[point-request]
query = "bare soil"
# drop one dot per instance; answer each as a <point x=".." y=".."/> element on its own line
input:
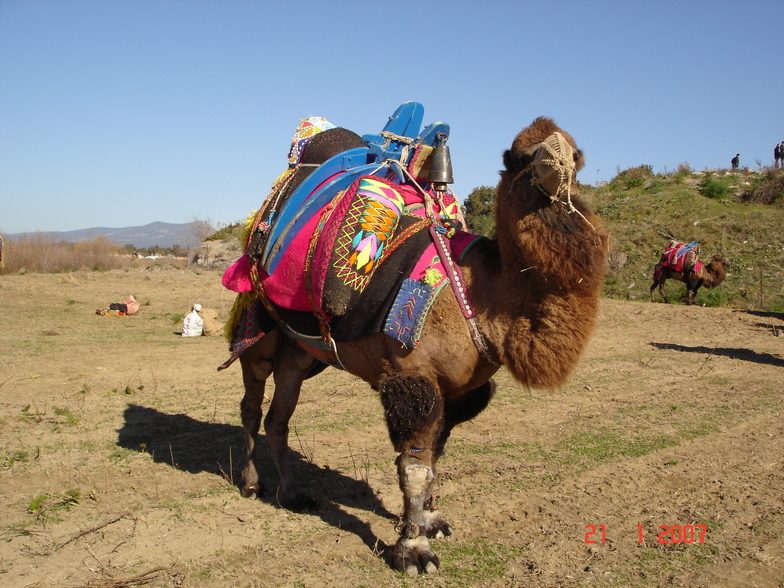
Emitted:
<point x="120" y="450"/>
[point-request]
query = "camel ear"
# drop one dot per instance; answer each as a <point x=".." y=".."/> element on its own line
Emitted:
<point x="579" y="160"/>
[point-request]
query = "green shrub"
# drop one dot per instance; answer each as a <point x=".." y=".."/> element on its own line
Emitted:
<point x="235" y="230"/>
<point x="633" y="177"/>
<point x="711" y="187"/>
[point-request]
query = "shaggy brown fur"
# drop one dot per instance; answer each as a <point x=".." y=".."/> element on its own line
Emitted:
<point x="411" y="406"/>
<point x="535" y="290"/>
<point x="710" y="275"/>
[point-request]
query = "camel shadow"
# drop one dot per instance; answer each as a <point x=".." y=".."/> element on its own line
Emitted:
<point x="195" y="446"/>
<point x="763" y="313"/>
<point x="769" y="325"/>
<point x="733" y="353"/>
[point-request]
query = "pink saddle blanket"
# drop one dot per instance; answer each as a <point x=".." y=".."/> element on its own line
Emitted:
<point x="342" y="247"/>
<point x="681" y="257"/>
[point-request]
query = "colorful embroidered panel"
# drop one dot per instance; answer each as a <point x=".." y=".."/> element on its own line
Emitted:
<point x="369" y="225"/>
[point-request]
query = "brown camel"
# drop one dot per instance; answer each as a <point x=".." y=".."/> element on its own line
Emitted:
<point x="709" y="275"/>
<point x="535" y="289"/>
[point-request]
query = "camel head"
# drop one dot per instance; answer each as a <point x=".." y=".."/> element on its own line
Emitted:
<point x="540" y="220"/>
<point x="546" y="158"/>
<point x="529" y="139"/>
<point x="717" y="270"/>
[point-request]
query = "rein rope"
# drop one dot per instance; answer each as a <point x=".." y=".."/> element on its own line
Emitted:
<point x="439" y="233"/>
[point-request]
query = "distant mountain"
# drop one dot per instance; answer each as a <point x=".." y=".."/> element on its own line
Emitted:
<point x="161" y="234"/>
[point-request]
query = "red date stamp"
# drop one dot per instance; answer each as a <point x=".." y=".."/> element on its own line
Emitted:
<point x="668" y="534"/>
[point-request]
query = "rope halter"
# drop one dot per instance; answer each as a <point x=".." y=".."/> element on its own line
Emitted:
<point x="552" y="171"/>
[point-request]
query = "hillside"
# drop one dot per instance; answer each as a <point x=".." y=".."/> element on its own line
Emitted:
<point x="750" y="235"/>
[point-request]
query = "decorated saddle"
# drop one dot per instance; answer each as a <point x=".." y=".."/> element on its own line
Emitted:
<point x="679" y="257"/>
<point x="359" y="243"/>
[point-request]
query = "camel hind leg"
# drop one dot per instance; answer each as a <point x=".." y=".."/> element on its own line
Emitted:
<point x="462" y="409"/>
<point x="658" y="281"/>
<point x="257" y="363"/>
<point x="293" y="366"/>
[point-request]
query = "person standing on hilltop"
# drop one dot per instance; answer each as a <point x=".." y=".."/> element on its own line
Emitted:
<point x="781" y="155"/>
<point x="776" y="155"/>
<point x="735" y="161"/>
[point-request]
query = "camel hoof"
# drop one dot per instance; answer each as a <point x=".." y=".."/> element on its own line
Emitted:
<point x="251" y="491"/>
<point x="414" y="557"/>
<point x="437" y="527"/>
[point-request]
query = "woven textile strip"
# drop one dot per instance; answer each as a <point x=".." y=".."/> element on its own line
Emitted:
<point x="249" y="330"/>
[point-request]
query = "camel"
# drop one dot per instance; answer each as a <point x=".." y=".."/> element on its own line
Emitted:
<point x="709" y="275"/>
<point x="535" y="290"/>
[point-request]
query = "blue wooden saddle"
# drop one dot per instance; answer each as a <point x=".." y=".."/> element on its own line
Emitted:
<point x="390" y="150"/>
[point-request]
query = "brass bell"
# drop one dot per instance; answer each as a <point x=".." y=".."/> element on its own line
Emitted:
<point x="440" y="166"/>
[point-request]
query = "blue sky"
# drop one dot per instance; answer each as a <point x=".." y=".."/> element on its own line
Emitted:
<point x="120" y="113"/>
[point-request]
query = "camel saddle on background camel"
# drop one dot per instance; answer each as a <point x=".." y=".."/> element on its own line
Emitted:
<point x="351" y="240"/>
<point x="679" y="257"/>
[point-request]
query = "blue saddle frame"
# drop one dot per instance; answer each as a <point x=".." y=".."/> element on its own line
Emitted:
<point x="362" y="161"/>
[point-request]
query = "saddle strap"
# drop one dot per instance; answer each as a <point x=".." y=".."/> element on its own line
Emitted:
<point x="455" y="275"/>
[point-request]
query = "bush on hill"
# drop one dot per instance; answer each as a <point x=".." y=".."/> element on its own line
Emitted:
<point x="234" y="230"/>
<point x="634" y="177"/>
<point x="710" y="187"/>
<point x="769" y="189"/>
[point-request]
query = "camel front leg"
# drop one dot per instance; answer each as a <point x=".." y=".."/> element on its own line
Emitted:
<point x="692" y="286"/>
<point x="293" y="366"/>
<point x="257" y="363"/>
<point x="414" y="411"/>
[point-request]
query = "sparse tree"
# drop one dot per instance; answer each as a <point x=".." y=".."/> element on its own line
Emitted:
<point x="202" y="229"/>
<point x="479" y="210"/>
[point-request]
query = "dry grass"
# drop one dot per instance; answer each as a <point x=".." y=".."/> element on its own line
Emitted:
<point x="769" y="190"/>
<point x="40" y="253"/>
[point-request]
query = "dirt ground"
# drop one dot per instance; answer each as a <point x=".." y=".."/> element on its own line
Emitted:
<point x="659" y="464"/>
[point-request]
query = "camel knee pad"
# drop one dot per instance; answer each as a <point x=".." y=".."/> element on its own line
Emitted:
<point x="417" y="479"/>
